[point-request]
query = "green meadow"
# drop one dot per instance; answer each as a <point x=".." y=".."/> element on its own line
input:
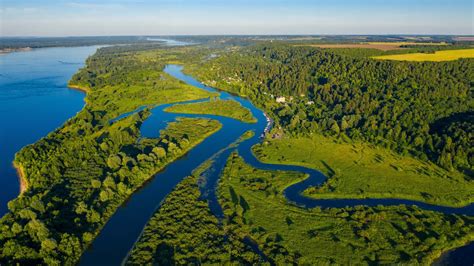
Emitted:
<point x="228" y="108"/>
<point x="347" y="236"/>
<point x="361" y="170"/>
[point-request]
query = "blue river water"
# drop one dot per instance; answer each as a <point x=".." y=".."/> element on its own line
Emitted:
<point x="124" y="228"/>
<point x="34" y="100"/>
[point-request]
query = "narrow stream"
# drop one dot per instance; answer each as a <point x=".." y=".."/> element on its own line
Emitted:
<point x="120" y="233"/>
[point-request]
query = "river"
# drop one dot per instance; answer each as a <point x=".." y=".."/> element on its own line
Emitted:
<point x="123" y="229"/>
<point x="34" y="100"/>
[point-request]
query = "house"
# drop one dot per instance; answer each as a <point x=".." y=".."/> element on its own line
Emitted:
<point x="280" y="99"/>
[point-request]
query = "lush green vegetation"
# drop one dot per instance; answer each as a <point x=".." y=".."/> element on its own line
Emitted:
<point x="79" y="174"/>
<point x="253" y="204"/>
<point x="359" y="170"/>
<point x="398" y="105"/>
<point x="392" y="125"/>
<point x="184" y="231"/>
<point x="228" y="108"/>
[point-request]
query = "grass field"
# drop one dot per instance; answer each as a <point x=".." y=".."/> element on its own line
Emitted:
<point x="349" y="236"/>
<point x="438" y="56"/>
<point x="228" y="108"/>
<point x="359" y="170"/>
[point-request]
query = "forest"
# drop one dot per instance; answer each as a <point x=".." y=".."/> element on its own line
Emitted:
<point x="423" y="109"/>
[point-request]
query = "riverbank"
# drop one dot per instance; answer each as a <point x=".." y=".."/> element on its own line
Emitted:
<point x="196" y="134"/>
<point x="12" y="50"/>
<point x="77" y="87"/>
<point x="455" y="256"/>
<point x="21" y="177"/>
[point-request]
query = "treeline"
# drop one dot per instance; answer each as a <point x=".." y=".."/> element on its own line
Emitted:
<point x="41" y="42"/>
<point x="393" y="104"/>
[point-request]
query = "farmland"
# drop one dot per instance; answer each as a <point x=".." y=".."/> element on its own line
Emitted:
<point x="438" y="56"/>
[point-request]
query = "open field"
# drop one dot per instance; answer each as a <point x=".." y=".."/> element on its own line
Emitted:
<point x="383" y="46"/>
<point x="228" y="108"/>
<point x="447" y="55"/>
<point x="359" y="170"/>
<point x="348" y="236"/>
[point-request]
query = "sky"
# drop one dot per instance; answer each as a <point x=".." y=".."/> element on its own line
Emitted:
<point x="196" y="17"/>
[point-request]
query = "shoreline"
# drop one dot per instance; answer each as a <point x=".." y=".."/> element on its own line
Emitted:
<point x="77" y="87"/>
<point x="5" y="51"/>
<point x="446" y="254"/>
<point x="19" y="168"/>
<point x="21" y="177"/>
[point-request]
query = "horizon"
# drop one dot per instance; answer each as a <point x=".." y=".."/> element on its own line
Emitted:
<point x="69" y="18"/>
<point x="236" y="35"/>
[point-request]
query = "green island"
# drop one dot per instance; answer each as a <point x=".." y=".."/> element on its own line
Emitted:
<point x="198" y="238"/>
<point x="228" y="108"/>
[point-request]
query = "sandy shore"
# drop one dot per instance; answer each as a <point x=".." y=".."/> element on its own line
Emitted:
<point x="76" y="87"/>
<point x="21" y="177"/>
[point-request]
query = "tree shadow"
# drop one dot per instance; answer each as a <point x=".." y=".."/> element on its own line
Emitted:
<point x="164" y="255"/>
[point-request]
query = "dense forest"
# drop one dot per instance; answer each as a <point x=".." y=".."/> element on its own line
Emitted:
<point x="423" y="109"/>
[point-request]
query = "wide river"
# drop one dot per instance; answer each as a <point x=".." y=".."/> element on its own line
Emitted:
<point x="34" y="100"/>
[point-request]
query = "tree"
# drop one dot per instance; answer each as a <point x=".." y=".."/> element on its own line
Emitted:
<point x="114" y="162"/>
<point x="335" y="128"/>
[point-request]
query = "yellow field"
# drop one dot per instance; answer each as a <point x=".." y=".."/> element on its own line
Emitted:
<point x="438" y="56"/>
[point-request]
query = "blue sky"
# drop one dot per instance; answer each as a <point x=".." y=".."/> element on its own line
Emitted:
<point x="168" y="17"/>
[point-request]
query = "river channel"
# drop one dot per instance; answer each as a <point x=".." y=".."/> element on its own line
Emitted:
<point x="120" y="233"/>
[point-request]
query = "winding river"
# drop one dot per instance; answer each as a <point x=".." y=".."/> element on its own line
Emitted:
<point x="34" y="100"/>
<point x="121" y="232"/>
